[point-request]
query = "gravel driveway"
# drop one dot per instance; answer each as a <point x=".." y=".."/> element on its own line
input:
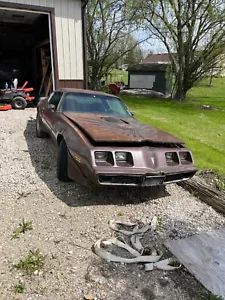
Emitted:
<point x="67" y="220"/>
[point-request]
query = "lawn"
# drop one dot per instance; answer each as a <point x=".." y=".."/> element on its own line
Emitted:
<point x="202" y="130"/>
<point x="117" y="75"/>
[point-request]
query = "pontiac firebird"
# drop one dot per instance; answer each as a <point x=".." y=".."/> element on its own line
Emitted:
<point x="100" y="142"/>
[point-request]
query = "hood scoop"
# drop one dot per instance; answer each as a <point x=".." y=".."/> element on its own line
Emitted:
<point x="114" y="120"/>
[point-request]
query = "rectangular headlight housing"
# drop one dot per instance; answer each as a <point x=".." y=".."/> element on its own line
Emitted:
<point x="185" y="157"/>
<point x="121" y="156"/>
<point x="103" y="158"/>
<point x="172" y="158"/>
<point x="101" y="155"/>
<point x="124" y="158"/>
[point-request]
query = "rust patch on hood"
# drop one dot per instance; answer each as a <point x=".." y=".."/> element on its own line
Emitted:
<point x="102" y="128"/>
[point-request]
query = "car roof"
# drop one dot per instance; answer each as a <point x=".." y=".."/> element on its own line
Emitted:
<point x="82" y="91"/>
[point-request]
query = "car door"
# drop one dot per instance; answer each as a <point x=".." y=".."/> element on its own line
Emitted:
<point x="50" y="114"/>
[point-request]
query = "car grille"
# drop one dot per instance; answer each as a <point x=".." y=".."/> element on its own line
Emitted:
<point x="178" y="177"/>
<point x="149" y="180"/>
<point x="129" y="180"/>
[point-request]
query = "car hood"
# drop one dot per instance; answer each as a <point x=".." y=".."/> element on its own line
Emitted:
<point x="102" y="128"/>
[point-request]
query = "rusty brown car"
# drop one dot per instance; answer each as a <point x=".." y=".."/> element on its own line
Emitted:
<point x="100" y="143"/>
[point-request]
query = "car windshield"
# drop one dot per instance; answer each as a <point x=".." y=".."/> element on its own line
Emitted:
<point x="90" y="103"/>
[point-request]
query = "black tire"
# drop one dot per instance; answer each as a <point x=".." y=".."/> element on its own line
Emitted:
<point x="62" y="162"/>
<point x="19" y="103"/>
<point x="40" y="132"/>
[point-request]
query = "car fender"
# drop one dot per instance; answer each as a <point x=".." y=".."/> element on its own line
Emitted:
<point x="78" y="145"/>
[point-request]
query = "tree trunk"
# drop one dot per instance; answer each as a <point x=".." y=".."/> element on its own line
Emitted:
<point x="94" y="82"/>
<point x="210" y="79"/>
<point x="180" y="91"/>
<point x="179" y="94"/>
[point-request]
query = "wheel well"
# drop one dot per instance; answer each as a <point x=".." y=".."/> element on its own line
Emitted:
<point x="59" y="139"/>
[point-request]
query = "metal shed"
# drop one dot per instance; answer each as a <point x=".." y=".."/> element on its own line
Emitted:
<point x="42" y="41"/>
<point x="149" y="76"/>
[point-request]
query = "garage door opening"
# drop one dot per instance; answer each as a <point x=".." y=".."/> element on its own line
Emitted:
<point x="25" y="50"/>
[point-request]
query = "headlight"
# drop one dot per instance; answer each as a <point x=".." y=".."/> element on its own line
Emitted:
<point x="171" y="158"/>
<point x="124" y="159"/>
<point x="185" y="157"/>
<point x="121" y="156"/>
<point x="101" y="155"/>
<point x="104" y="158"/>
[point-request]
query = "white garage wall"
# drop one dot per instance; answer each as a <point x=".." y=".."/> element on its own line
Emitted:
<point x="68" y="35"/>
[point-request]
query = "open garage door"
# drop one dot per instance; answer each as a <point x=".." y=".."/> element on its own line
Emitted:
<point x="26" y="50"/>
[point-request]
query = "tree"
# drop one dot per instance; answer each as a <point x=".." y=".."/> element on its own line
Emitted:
<point x="193" y="32"/>
<point x="217" y="70"/>
<point x="110" y="24"/>
<point x="135" y="55"/>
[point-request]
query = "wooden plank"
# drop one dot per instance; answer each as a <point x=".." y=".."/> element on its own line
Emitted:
<point x="204" y="256"/>
<point x="211" y="196"/>
<point x="49" y="86"/>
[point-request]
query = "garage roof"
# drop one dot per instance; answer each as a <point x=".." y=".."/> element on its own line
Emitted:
<point x="148" y="67"/>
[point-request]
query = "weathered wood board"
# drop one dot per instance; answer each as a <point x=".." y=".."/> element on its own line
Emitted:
<point x="205" y="193"/>
<point x="204" y="256"/>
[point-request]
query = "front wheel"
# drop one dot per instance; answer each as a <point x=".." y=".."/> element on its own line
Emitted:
<point x="62" y="162"/>
<point x="19" y="103"/>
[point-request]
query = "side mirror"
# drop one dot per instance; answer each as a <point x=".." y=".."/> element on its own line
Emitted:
<point x="52" y="106"/>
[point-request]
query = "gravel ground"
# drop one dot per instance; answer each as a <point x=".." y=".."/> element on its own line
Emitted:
<point x="67" y="220"/>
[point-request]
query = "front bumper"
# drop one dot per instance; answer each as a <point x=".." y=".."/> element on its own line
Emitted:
<point x="144" y="180"/>
<point x="146" y="171"/>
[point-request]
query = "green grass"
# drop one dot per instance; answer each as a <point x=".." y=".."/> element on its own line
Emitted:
<point x="23" y="227"/>
<point x="19" y="288"/>
<point x="202" y="130"/>
<point x="118" y="75"/>
<point x="33" y="261"/>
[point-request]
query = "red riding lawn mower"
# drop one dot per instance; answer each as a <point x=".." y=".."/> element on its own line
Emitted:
<point x="16" y="98"/>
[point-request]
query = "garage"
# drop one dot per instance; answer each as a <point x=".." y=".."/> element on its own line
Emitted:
<point x="25" y="50"/>
<point x="42" y="42"/>
<point x="149" y="76"/>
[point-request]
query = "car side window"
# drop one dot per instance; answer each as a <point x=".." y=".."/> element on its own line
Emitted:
<point x="55" y="98"/>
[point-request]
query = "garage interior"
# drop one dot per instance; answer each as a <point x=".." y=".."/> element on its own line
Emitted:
<point x="25" y="51"/>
